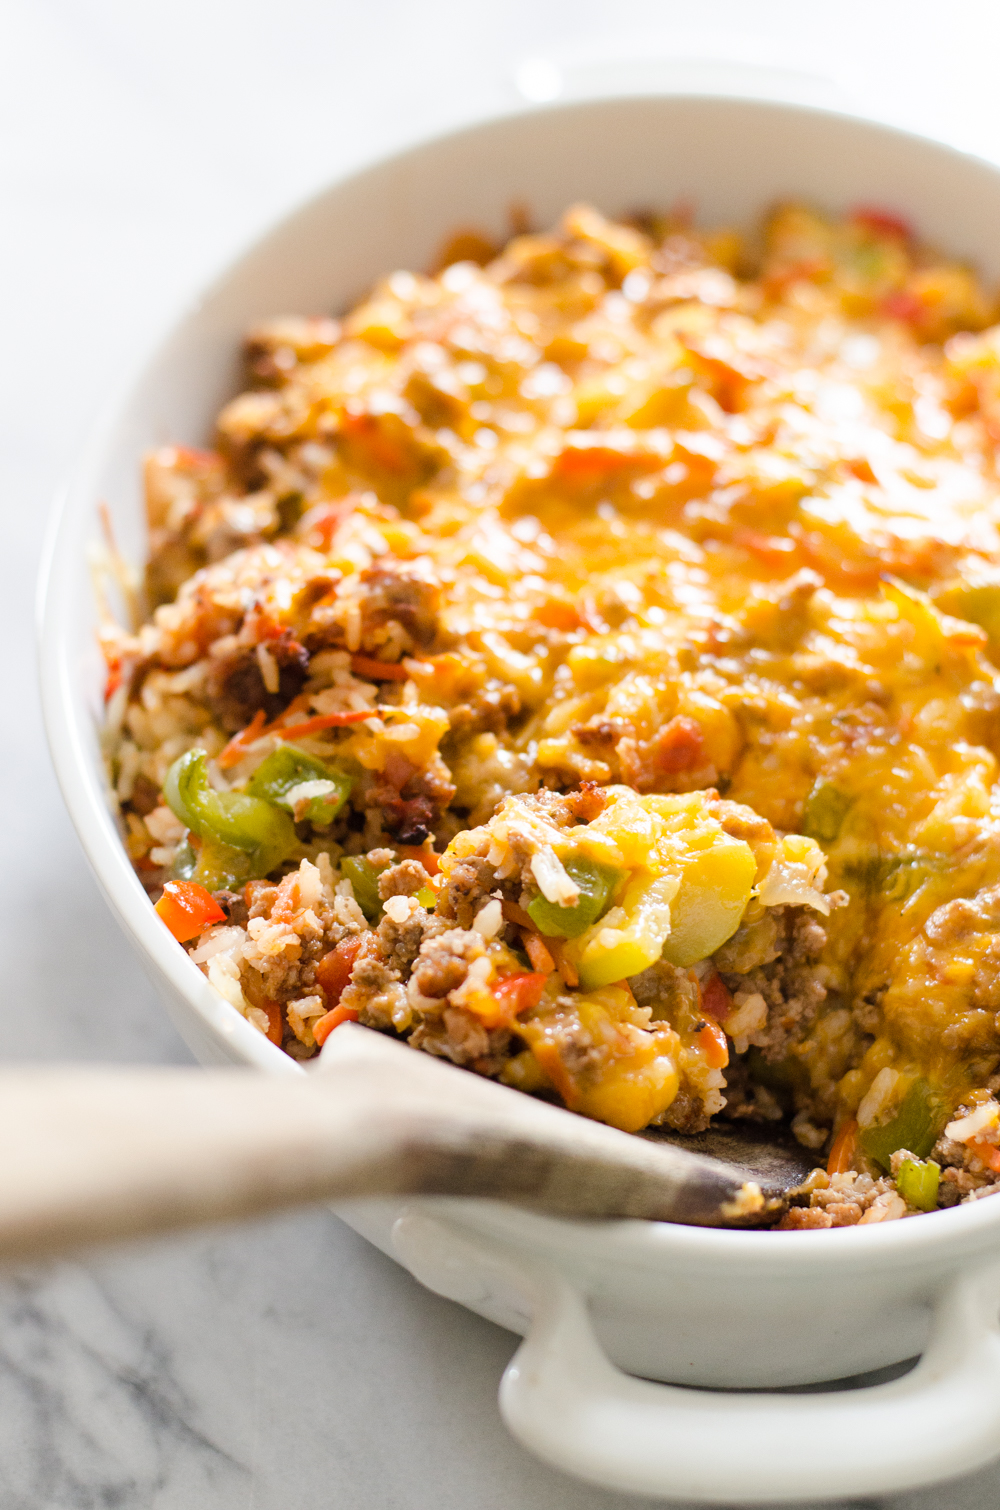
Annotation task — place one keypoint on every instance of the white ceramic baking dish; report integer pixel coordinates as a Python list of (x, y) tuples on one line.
[(598, 1304)]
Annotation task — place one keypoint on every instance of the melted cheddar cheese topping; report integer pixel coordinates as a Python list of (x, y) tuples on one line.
[(694, 513)]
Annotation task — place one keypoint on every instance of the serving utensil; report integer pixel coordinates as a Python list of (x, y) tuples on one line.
[(99, 1154)]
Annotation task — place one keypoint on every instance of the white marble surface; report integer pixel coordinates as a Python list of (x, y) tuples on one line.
[(286, 1365)]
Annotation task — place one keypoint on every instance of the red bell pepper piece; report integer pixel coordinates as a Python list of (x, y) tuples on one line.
[(334, 969), (715, 997), (518, 993), (188, 909)]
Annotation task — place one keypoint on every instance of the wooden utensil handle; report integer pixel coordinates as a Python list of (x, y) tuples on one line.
[(95, 1155)]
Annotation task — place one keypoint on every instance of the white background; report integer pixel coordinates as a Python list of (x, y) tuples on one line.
[(142, 142)]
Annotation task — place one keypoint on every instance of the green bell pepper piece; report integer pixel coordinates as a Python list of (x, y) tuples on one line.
[(918, 1181), (977, 602), (597, 885), (915, 1126), (825, 810), (213, 865), (185, 861), (288, 767), (230, 824), (223, 867), (894, 877), (363, 877), (869, 262)]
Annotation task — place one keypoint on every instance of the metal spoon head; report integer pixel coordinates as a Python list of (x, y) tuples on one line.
[(766, 1152)]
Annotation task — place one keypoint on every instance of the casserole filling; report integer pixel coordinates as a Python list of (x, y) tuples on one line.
[(582, 663)]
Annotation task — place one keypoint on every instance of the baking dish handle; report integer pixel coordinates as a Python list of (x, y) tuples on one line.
[(565, 1401)]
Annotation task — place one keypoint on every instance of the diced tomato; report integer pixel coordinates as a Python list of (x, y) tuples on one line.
[(715, 997), (188, 909), (882, 220), (334, 969), (902, 305), (555, 614), (518, 993), (325, 1025), (113, 682), (861, 468), (378, 671), (712, 1042), (323, 521), (260, 627), (587, 461), (681, 745), (842, 1152)]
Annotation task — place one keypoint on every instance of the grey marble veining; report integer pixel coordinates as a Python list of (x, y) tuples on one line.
[(91, 1410), (285, 1366), (282, 1366)]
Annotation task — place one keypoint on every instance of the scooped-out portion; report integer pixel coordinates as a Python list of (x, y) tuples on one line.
[(581, 662)]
